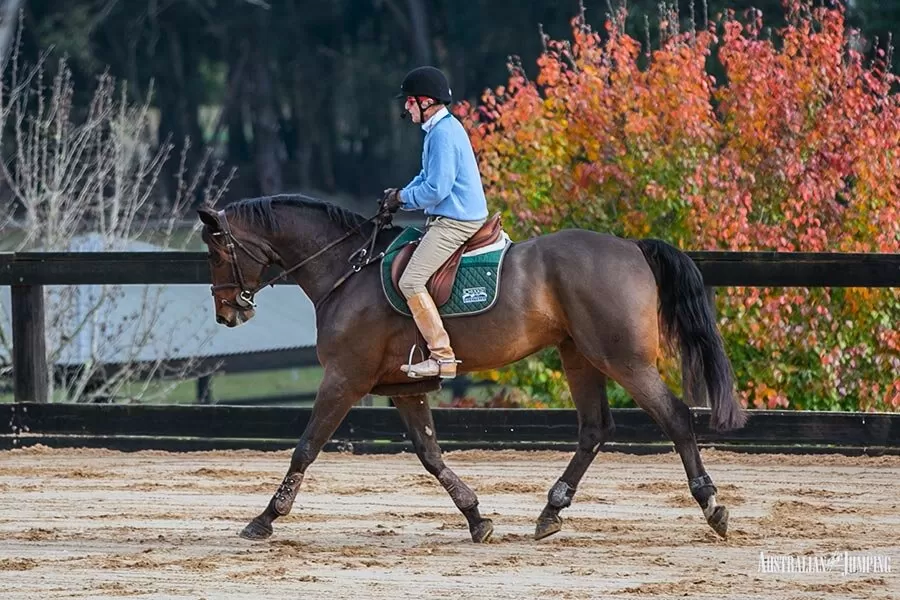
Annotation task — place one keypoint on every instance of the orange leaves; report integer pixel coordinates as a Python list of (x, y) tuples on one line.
[(765, 397), (796, 147)]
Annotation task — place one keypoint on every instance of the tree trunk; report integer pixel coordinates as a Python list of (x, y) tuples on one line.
[(418, 17), (302, 139), (178, 103), (233, 105), (261, 102)]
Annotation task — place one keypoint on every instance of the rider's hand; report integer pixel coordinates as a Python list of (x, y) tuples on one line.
[(391, 200)]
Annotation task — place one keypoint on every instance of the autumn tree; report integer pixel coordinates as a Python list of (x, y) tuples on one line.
[(796, 147)]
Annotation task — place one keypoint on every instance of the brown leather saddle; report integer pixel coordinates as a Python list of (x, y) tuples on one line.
[(440, 285)]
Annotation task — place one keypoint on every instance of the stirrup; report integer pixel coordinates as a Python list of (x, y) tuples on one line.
[(408, 368), (431, 364), (409, 361)]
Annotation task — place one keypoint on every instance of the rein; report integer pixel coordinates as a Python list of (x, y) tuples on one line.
[(361, 258)]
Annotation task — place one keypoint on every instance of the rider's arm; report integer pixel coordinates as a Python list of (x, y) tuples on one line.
[(417, 179), (438, 176)]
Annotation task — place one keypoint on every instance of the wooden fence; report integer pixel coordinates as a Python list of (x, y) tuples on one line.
[(368, 430), (26, 273)]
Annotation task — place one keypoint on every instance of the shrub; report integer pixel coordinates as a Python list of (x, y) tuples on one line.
[(795, 146)]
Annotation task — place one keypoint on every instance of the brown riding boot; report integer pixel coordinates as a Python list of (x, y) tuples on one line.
[(442, 361)]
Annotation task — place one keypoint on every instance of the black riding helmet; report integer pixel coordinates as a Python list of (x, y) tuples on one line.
[(426, 81)]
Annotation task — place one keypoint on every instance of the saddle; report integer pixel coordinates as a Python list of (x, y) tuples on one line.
[(440, 285)]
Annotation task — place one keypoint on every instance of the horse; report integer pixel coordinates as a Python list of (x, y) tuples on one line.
[(606, 303)]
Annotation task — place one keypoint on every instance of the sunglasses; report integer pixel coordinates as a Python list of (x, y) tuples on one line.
[(411, 100)]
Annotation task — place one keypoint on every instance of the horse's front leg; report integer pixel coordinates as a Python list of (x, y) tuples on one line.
[(336, 395), (416, 415)]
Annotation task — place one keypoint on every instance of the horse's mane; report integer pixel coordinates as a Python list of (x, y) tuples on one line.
[(259, 212)]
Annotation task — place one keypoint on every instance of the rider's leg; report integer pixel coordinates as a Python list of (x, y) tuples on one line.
[(443, 237), (441, 360)]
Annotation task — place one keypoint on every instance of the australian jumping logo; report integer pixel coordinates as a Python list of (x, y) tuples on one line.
[(473, 295), (836, 562)]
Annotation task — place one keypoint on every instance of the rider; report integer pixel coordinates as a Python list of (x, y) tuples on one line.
[(450, 192)]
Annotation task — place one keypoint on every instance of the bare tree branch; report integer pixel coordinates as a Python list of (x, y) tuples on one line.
[(8, 12), (94, 179)]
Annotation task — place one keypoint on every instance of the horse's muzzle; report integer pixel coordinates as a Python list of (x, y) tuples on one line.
[(235, 318)]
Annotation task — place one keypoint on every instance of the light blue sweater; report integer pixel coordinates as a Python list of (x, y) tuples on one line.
[(449, 184)]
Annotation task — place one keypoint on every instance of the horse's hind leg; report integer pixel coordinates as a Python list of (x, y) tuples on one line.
[(595, 427), (652, 394), (416, 415)]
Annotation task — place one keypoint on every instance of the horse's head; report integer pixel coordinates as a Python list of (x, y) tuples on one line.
[(236, 266)]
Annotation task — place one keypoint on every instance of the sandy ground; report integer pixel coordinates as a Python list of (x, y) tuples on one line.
[(103, 524)]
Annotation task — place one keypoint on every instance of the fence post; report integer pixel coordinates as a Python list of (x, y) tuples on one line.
[(204, 389), (30, 375)]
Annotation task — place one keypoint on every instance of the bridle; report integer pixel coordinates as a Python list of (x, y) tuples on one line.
[(243, 301)]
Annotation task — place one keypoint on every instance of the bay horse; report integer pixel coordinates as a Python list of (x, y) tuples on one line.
[(603, 301)]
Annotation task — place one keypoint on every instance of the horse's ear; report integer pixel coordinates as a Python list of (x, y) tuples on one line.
[(210, 218)]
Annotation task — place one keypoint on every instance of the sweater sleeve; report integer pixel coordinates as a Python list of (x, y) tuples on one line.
[(435, 182), (417, 179)]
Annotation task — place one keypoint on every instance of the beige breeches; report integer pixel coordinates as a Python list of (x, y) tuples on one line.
[(442, 238)]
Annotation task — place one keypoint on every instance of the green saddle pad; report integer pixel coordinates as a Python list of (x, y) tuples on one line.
[(474, 289)]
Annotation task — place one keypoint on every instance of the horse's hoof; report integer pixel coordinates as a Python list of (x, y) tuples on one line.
[(256, 530), (719, 521), (547, 525), (482, 531)]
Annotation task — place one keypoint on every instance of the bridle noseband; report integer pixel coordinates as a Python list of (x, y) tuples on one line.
[(244, 298), (243, 301)]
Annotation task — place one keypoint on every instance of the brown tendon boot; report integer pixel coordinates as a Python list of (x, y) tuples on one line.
[(442, 361)]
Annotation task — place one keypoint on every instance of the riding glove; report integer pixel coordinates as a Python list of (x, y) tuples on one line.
[(391, 200)]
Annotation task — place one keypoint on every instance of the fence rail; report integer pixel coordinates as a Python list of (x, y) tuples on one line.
[(756, 269), (184, 427), (27, 272)]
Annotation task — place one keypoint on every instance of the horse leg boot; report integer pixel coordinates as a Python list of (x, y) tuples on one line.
[(416, 416), (333, 401), (595, 427), (674, 418), (442, 361)]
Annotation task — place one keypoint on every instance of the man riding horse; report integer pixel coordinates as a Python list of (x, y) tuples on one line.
[(450, 192), (604, 302)]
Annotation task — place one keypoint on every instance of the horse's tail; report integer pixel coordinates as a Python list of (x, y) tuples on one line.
[(686, 316)]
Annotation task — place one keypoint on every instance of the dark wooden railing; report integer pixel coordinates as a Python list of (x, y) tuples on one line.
[(26, 273), (192, 427)]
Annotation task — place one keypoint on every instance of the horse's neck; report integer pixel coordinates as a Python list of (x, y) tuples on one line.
[(304, 235)]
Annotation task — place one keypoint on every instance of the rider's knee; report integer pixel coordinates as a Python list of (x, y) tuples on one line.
[(410, 285)]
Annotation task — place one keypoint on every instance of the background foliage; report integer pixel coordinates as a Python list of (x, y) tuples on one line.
[(298, 94), (669, 120), (722, 137)]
